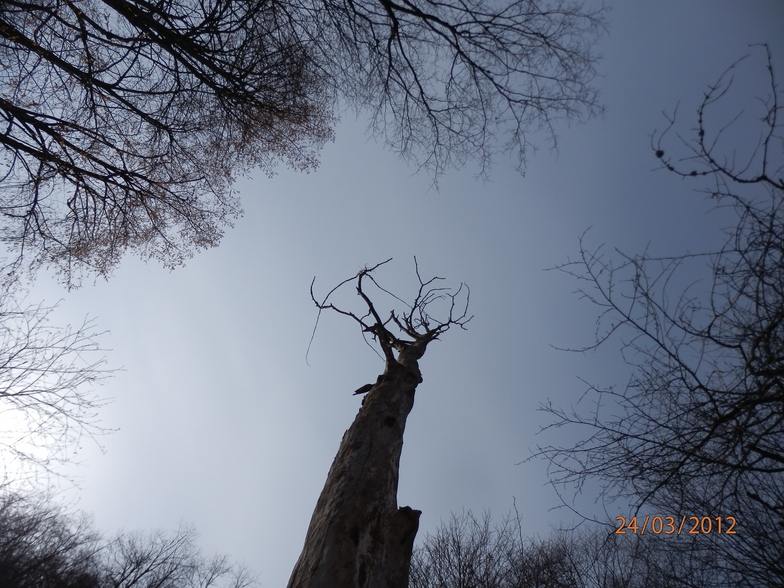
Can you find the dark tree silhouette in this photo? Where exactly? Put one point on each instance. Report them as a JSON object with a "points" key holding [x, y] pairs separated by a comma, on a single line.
{"points": [[699, 429], [358, 537], [470, 551], [40, 548], [126, 121], [43, 546], [449, 82]]}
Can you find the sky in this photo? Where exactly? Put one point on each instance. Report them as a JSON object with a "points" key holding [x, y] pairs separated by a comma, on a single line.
{"points": [[220, 420]]}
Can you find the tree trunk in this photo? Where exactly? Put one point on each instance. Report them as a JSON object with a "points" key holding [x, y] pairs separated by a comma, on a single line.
{"points": [[358, 537]]}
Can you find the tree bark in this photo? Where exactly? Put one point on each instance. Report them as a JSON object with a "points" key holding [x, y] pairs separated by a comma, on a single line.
{"points": [[358, 537]]}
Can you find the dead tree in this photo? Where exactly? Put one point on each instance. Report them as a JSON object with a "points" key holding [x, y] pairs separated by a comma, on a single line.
{"points": [[358, 537]]}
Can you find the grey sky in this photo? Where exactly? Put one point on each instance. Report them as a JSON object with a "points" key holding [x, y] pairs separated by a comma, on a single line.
{"points": [[223, 424]]}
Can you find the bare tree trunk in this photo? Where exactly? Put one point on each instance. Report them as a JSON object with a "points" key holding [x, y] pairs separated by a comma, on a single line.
{"points": [[358, 537]]}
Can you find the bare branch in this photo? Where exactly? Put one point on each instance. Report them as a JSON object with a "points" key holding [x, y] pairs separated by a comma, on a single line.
{"points": [[408, 332], [125, 122], [699, 427], [47, 375], [42, 544]]}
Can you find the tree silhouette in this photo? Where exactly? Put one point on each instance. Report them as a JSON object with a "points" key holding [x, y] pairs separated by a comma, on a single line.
{"points": [[47, 375], [472, 551], [358, 536], [125, 122], [43, 546], [699, 429]]}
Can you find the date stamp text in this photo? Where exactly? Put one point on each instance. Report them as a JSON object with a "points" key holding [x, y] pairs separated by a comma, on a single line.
{"points": [[676, 525]]}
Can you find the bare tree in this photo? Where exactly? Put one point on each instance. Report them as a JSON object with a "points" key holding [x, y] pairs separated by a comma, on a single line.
{"points": [[43, 546], [466, 551], [473, 552], [699, 429], [142, 560], [126, 121], [456, 81], [358, 536], [47, 376]]}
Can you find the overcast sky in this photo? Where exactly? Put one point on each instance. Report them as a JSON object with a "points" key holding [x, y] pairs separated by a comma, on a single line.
{"points": [[222, 423]]}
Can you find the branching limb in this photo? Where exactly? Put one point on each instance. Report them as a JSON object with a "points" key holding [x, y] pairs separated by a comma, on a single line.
{"points": [[408, 331], [699, 426], [705, 154], [47, 376]]}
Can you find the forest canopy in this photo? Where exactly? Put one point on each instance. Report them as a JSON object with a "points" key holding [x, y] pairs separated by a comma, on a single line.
{"points": [[125, 123]]}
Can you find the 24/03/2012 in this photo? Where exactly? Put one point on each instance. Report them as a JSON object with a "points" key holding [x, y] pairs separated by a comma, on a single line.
{"points": [[667, 525]]}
